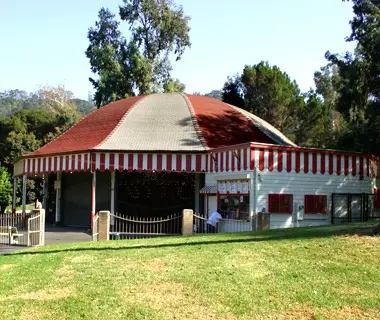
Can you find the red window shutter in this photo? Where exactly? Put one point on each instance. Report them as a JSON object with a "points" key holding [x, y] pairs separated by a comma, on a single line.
{"points": [[309, 203], [376, 203], [286, 203], [274, 203], [324, 205]]}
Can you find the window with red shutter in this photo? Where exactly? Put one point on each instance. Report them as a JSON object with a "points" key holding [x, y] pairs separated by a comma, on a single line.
{"points": [[315, 204], [280, 203], [376, 202]]}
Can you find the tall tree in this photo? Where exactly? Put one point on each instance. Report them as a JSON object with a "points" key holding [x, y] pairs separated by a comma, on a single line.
{"points": [[139, 65], [5, 189], [158, 29], [174, 85]]}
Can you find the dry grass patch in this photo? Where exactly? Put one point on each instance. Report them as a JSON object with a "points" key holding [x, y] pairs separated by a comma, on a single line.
{"points": [[5, 267], [41, 295], [154, 264], [175, 301], [344, 313], [85, 258], [35, 314]]}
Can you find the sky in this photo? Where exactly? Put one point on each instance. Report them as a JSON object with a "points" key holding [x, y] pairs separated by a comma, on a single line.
{"points": [[43, 41]]}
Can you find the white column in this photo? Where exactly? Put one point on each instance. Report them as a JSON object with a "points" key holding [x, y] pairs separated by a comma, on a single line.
{"points": [[196, 195], [112, 219], [45, 190], [58, 198], [253, 194], [14, 195], [93, 198], [24, 182]]}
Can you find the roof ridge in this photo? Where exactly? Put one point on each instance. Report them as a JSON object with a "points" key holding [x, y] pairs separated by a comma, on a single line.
{"points": [[197, 128], [121, 121], [261, 124]]}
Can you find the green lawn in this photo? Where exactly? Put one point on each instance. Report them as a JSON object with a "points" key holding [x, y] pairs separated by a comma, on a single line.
{"points": [[312, 273]]}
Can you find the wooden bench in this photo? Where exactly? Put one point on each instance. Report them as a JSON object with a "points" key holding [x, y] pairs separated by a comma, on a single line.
{"points": [[12, 233]]}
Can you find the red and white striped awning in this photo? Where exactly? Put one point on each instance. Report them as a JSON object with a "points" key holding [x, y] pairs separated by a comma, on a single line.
{"points": [[116, 161]]}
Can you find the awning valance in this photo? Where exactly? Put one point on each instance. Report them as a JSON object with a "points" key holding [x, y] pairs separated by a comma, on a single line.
{"points": [[209, 190]]}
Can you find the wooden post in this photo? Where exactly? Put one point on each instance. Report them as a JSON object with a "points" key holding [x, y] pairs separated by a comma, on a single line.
{"points": [[58, 198], [14, 194], [187, 222], [24, 182], [93, 198], [103, 227]]}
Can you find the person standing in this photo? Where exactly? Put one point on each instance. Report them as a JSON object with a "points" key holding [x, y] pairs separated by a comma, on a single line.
{"points": [[213, 220]]}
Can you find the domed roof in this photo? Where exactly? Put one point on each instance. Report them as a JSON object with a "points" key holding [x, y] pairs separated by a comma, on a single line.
{"points": [[164, 122]]}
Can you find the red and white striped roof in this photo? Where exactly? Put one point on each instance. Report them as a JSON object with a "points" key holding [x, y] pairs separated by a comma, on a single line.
{"points": [[165, 123]]}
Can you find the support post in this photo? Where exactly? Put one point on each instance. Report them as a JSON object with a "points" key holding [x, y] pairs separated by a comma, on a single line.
{"points": [[253, 198], [24, 182], [93, 198], [14, 195], [112, 219], [45, 178], [187, 222], [196, 190], [58, 198]]}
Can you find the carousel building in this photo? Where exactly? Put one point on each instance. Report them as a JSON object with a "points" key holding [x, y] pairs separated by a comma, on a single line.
{"points": [[155, 155]]}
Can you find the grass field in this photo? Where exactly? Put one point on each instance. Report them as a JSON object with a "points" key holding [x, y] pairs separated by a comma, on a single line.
{"points": [[313, 273]]}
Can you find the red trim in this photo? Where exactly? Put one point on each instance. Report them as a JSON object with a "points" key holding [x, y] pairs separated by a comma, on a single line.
{"points": [[102, 165], [338, 165], [252, 162], [238, 159], [121, 162], [353, 164], [270, 160], [279, 161], [169, 162], [198, 162], [140, 162], [44, 164], [306, 162], [93, 162], [73, 162], [346, 169], [221, 158], [245, 164], [288, 161], [112, 162], [55, 163], [315, 163], [298, 161], [315, 204], [323, 163], [361, 167], [178, 163], [188, 162], [159, 162], [261, 160], [79, 163], [232, 161], [150, 162], [331, 164]]}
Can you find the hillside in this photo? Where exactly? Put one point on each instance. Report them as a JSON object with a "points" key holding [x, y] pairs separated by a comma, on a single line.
{"points": [[313, 273]]}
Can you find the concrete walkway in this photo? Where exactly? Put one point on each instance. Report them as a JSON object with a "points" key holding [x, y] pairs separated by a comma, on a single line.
{"points": [[54, 235]]}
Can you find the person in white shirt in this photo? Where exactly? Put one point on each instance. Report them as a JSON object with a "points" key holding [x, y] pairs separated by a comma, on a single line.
{"points": [[213, 220]]}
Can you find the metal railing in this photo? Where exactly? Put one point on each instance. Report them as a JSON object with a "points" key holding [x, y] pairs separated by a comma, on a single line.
{"points": [[127, 227], [22, 229], [200, 225]]}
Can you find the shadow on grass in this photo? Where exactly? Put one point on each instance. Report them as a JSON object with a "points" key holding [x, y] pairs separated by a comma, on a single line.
{"points": [[201, 240]]}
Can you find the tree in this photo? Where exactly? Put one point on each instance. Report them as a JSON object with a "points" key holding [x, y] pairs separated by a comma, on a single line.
{"points": [[233, 91], [174, 86], [141, 64], [216, 94], [84, 107], [158, 29], [5, 189]]}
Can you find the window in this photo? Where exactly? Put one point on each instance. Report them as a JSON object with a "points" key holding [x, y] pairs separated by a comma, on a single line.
{"points": [[315, 203], [234, 206], [280, 203]]}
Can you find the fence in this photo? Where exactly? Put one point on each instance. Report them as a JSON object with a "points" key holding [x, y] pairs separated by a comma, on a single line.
{"points": [[126, 227], [353, 207], [23, 229], [95, 228], [224, 225]]}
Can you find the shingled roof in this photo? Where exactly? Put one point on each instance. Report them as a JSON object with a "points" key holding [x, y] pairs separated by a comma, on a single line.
{"points": [[164, 122]]}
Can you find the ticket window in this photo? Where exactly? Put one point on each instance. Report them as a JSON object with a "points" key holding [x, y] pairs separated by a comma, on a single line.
{"points": [[234, 206]]}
